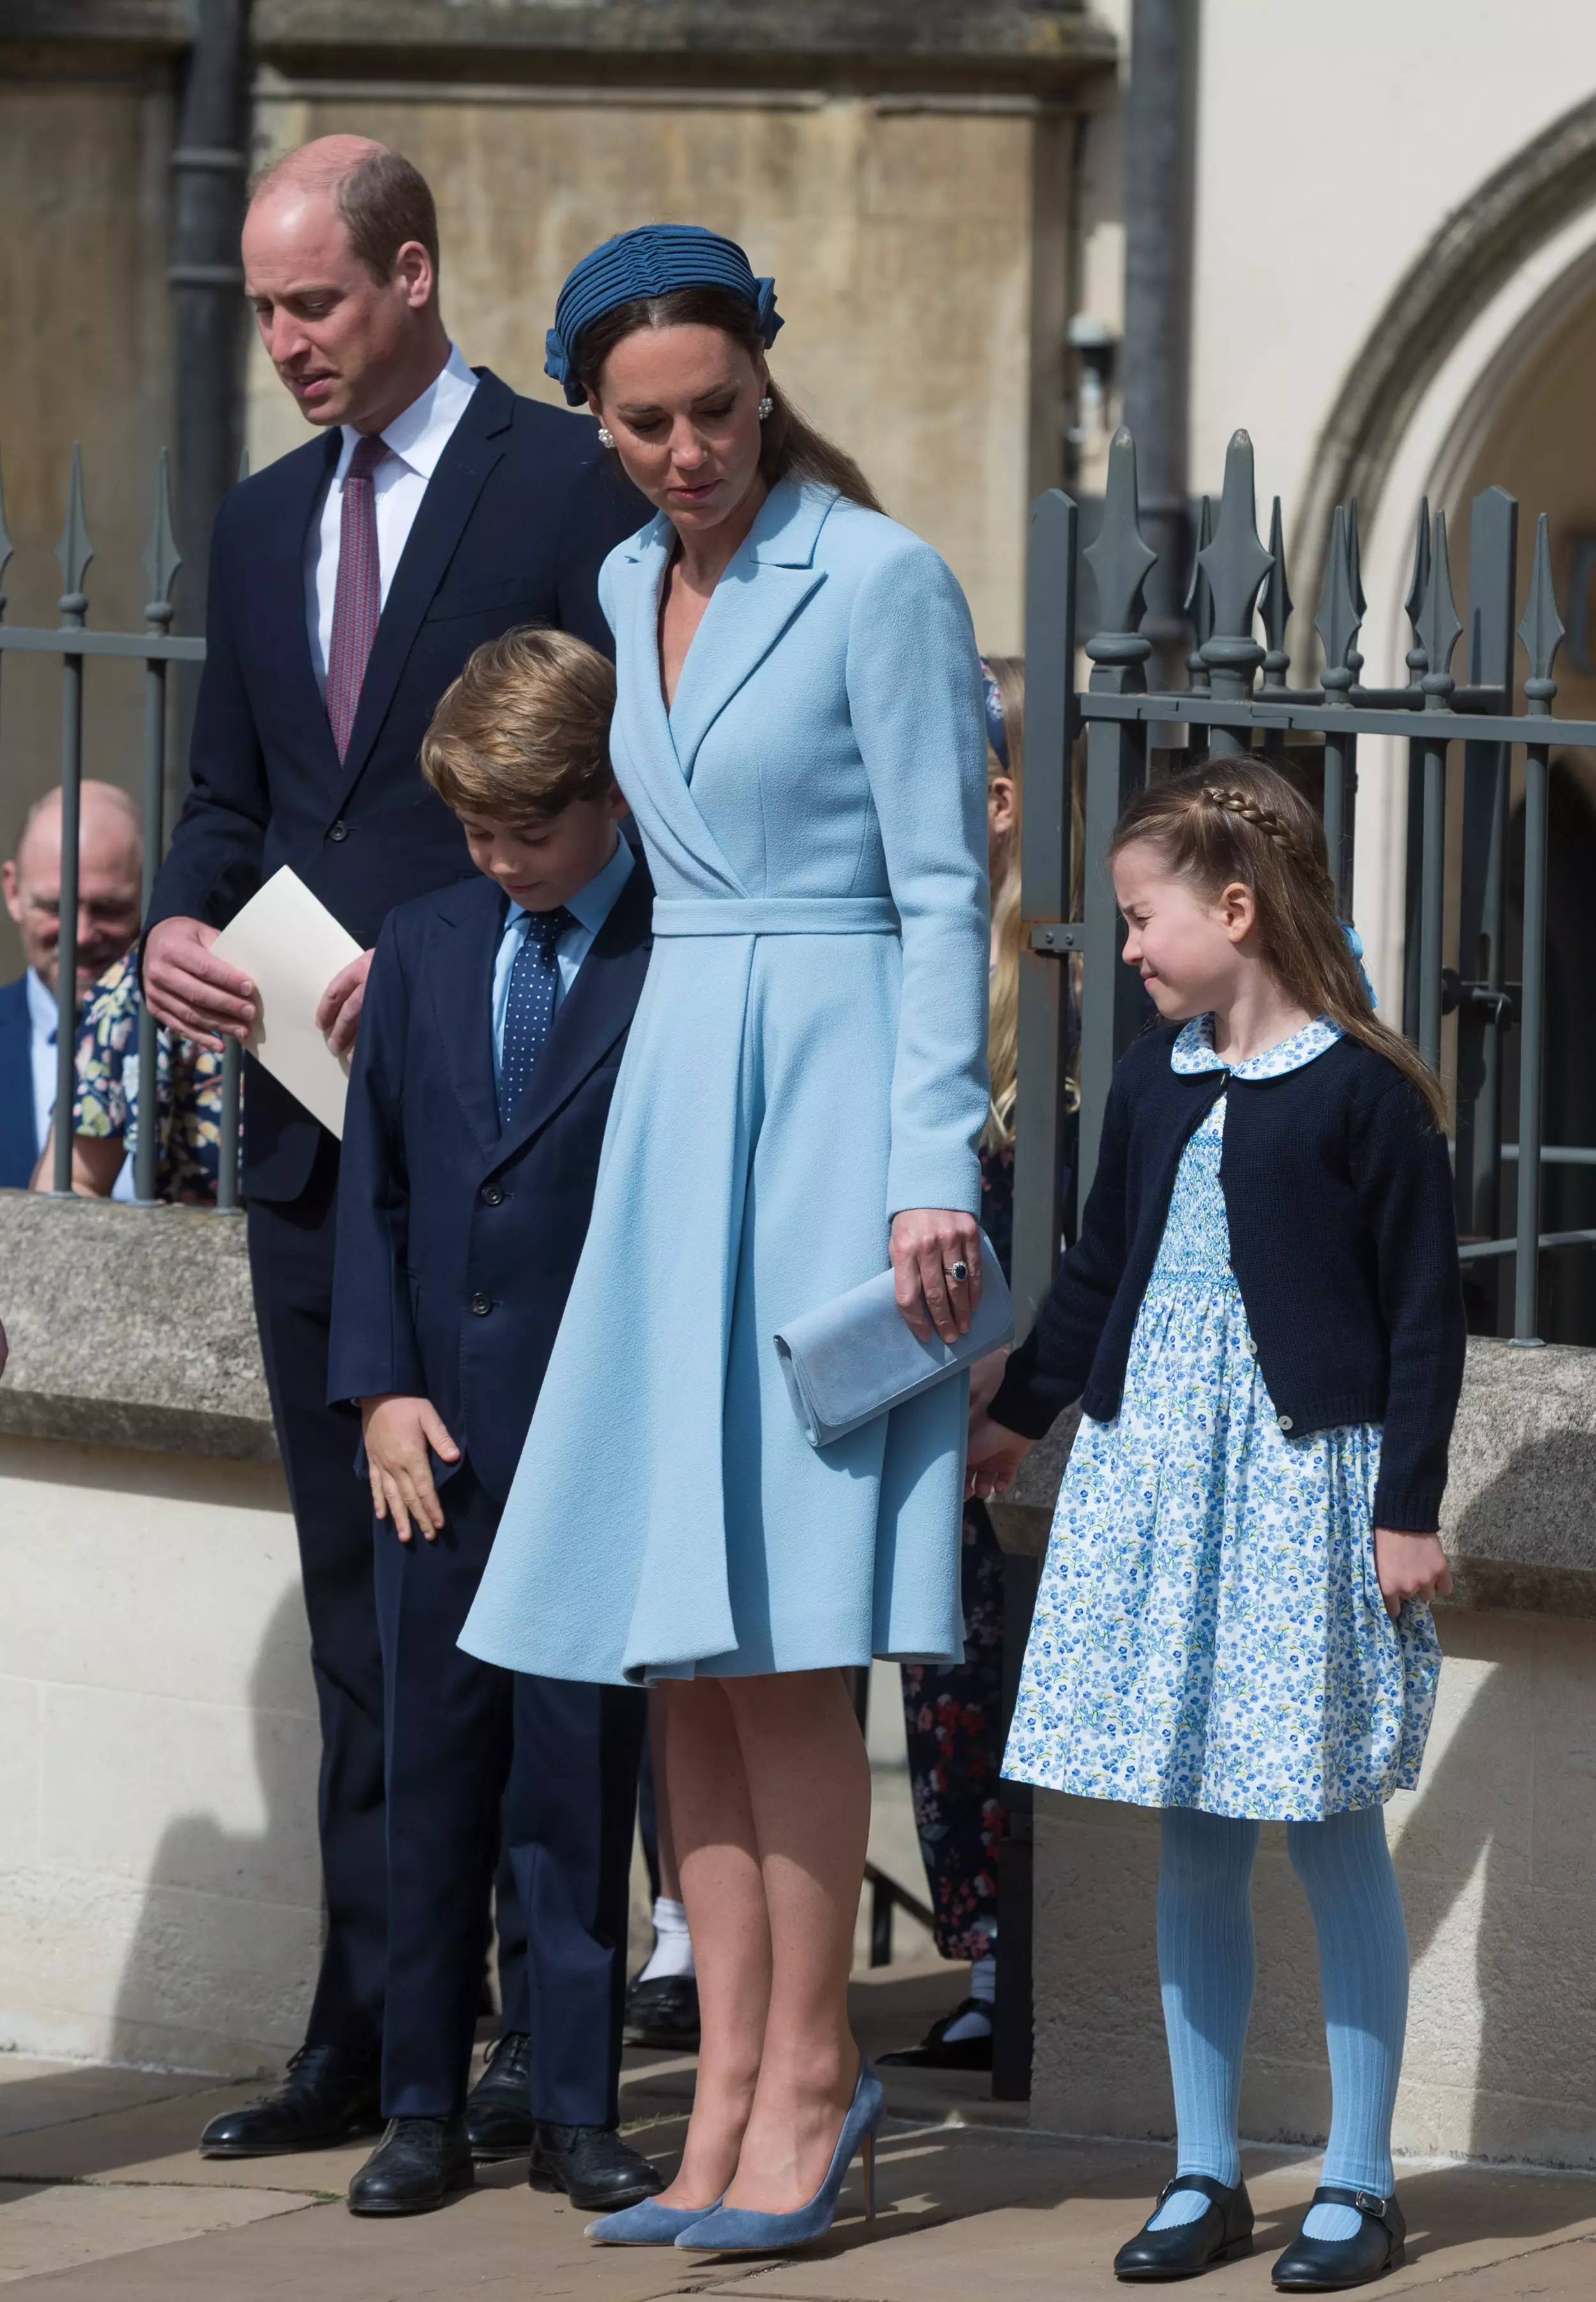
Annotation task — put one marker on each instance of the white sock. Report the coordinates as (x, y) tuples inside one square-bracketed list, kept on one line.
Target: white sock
[(673, 1945), (976, 2023)]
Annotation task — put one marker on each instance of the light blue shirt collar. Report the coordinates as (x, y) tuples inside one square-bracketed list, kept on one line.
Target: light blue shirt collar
[(589, 907), (1193, 1050)]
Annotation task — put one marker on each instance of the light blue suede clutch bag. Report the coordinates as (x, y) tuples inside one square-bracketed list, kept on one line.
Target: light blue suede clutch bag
[(855, 1358)]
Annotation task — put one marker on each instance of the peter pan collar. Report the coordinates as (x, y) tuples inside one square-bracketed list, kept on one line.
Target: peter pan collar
[(1193, 1050)]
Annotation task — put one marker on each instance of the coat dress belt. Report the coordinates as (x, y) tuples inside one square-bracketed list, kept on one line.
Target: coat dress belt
[(762, 915)]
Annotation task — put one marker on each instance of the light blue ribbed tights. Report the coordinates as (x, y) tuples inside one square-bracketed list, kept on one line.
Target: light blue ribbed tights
[(1206, 1965)]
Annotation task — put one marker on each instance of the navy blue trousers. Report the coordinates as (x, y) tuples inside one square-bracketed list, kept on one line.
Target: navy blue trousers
[(471, 1748)]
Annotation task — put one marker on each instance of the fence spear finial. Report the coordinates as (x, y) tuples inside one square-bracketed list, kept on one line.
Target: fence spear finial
[(1339, 615), (1199, 602), (1121, 561), (1417, 585), (74, 552), (1440, 626), (1542, 630), (1277, 604), (5, 546), (162, 559)]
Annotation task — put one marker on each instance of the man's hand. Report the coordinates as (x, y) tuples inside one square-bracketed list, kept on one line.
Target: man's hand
[(398, 1431), (929, 1245), (993, 1457), (190, 992), (1409, 1567), (339, 1013)]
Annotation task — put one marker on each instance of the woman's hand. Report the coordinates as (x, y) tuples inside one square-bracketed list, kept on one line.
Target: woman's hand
[(398, 1429), (929, 1245), (993, 1457), (1409, 1567)]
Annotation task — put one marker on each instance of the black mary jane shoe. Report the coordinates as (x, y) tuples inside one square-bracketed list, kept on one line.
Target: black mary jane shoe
[(329, 2095), (937, 2052), (414, 2168), (499, 2106), (592, 2165), (1325, 2265), (663, 2013), (1221, 2231)]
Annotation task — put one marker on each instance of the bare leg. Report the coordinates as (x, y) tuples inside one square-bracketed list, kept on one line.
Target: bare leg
[(809, 1785), (713, 1833)]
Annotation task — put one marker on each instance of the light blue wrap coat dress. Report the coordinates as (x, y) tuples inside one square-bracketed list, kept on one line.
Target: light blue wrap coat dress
[(808, 1057)]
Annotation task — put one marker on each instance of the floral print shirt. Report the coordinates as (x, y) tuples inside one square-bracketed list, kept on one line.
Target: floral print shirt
[(187, 1089)]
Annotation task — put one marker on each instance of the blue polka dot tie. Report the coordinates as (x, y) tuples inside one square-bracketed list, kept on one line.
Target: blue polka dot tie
[(529, 1011)]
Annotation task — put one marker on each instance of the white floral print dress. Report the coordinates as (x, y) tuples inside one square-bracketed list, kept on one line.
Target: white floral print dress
[(1209, 1631)]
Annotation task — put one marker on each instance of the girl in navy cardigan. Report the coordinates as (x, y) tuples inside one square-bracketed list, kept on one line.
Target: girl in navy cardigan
[(1263, 1323)]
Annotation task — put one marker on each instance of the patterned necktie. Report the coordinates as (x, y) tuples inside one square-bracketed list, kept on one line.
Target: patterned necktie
[(529, 1009), (358, 601)]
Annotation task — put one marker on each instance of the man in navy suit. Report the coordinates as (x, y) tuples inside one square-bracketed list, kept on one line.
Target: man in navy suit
[(110, 868), (349, 582), (495, 1016)]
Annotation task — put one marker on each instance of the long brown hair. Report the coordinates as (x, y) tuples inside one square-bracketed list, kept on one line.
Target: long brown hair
[(790, 447), (1002, 1030), (1238, 821)]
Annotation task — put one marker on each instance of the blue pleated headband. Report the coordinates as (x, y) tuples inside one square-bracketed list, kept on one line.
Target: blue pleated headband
[(650, 261)]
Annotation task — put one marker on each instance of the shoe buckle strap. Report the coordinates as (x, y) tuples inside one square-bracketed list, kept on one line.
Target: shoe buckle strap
[(1368, 2203)]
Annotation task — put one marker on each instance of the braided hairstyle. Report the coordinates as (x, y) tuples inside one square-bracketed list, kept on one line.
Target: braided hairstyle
[(1238, 821)]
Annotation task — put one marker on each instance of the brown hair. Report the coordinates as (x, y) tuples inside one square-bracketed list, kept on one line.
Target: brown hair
[(1236, 821), (790, 448), (1003, 1029), (525, 729)]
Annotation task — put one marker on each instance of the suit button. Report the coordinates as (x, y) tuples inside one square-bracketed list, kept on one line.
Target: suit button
[(1284, 1420), (482, 1305), (338, 830), (493, 1197)]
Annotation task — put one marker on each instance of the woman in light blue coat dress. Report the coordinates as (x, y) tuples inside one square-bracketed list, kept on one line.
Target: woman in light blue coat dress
[(799, 732)]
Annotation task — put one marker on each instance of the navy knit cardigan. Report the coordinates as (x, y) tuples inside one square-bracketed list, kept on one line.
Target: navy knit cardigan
[(1338, 1196)]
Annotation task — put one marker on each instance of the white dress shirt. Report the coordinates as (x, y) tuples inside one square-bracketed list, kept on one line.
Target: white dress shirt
[(43, 1018), (415, 441), (590, 908)]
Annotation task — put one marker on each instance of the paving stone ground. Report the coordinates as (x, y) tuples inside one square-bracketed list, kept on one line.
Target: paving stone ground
[(104, 2199)]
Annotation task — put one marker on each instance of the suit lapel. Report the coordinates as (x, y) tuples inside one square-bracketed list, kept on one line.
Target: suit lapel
[(767, 584), (476, 445), (588, 1023), (277, 604), (19, 1145), (462, 946)]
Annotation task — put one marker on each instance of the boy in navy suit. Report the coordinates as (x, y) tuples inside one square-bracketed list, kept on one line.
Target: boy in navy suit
[(495, 1016)]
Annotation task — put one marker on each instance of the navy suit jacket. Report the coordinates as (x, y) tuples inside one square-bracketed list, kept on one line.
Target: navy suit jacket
[(19, 1143), (516, 522), (456, 1244)]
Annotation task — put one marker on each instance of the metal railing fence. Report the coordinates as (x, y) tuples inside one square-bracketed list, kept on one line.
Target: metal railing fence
[(158, 648), (1238, 695)]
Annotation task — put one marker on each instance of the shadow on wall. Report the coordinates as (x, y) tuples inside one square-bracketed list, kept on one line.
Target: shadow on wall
[(220, 1970), (1499, 1852)]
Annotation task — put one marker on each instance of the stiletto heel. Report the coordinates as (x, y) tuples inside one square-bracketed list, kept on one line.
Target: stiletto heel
[(739, 2229)]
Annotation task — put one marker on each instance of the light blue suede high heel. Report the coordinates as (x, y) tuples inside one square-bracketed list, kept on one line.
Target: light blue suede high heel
[(647, 2223), (738, 2230)]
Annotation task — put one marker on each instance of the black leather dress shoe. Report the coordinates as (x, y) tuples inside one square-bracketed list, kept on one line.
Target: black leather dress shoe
[(663, 2012), (328, 2096), (592, 2165), (499, 2106), (418, 2162), (1324, 2266), (937, 2052), (1223, 2229)]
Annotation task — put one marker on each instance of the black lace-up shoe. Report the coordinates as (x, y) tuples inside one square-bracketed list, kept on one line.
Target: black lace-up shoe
[(1221, 2231), (663, 2012), (418, 2162), (329, 2095), (592, 2165), (1324, 2266), (499, 2106), (937, 2052)]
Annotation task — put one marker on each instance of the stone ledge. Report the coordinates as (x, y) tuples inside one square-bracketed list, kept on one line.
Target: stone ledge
[(131, 1327)]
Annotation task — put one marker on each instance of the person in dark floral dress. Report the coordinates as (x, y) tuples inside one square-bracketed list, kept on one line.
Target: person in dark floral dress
[(105, 1115), (953, 1714)]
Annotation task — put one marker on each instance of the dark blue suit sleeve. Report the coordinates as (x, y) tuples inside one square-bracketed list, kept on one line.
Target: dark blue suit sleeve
[(373, 1347), (602, 508)]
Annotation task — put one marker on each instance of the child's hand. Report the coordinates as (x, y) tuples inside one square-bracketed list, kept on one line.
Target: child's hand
[(398, 1431), (985, 1377), (1409, 1567), (994, 1456)]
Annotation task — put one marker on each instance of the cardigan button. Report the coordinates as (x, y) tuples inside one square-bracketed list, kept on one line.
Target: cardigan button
[(1284, 1421)]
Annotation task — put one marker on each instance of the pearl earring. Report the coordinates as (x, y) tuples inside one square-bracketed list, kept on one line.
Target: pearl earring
[(766, 405), (606, 437)]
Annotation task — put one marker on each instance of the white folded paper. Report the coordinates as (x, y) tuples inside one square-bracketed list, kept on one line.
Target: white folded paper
[(290, 946)]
